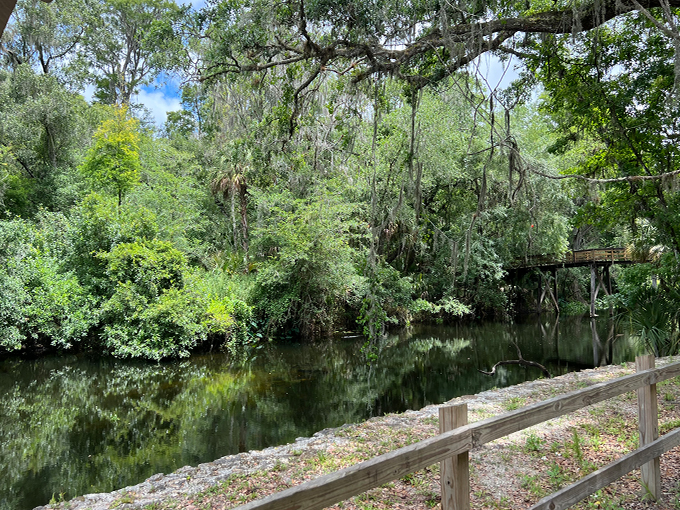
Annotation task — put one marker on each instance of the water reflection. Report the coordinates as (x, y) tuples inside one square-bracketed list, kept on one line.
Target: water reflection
[(74, 426)]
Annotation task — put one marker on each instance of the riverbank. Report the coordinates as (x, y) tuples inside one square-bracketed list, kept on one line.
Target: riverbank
[(512, 472)]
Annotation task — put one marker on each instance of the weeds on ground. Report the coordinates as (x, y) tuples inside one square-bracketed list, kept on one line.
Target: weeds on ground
[(557, 476), (533, 443), (602, 501), (514, 403), (676, 497), (124, 499), (54, 500), (532, 483)]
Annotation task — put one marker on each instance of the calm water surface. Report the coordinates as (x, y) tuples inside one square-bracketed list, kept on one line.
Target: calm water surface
[(74, 425)]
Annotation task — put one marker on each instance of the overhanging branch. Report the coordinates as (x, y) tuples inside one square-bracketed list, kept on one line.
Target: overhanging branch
[(393, 57)]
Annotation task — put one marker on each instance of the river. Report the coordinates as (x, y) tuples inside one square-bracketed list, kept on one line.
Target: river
[(77, 425)]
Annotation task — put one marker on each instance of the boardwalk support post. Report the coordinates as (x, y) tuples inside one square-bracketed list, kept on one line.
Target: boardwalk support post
[(648, 423), (554, 278), (593, 289), (539, 295), (454, 471)]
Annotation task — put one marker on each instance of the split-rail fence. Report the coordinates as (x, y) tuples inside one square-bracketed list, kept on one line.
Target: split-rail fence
[(451, 448)]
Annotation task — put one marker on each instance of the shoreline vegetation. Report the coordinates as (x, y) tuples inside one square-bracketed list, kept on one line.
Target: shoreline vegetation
[(510, 473), (123, 239)]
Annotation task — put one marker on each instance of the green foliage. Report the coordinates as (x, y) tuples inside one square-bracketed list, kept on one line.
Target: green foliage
[(534, 443), (387, 296), (654, 320), (97, 226), (651, 314), (593, 112), (320, 203), (151, 266), (135, 294), (42, 303), (138, 327), (173, 188), (40, 134), (113, 161), (158, 310), (308, 275)]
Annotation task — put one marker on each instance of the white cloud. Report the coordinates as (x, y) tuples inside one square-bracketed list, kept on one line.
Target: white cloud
[(158, 103)]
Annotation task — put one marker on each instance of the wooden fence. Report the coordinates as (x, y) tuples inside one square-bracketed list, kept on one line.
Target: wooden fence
[(451, 447)]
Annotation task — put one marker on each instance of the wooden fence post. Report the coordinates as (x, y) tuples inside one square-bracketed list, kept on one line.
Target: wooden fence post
[(648, 423), (455, 471)]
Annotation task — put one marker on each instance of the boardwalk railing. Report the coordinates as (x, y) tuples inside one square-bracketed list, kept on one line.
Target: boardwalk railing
[(581, 257), (451, 447)]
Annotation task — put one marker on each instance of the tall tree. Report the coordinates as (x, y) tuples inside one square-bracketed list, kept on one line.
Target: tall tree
[(41, 126), (129, 46)]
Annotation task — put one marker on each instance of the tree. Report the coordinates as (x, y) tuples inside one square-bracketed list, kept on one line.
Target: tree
[(130, 44), (418, 42), (610, 70), (41, 126), (113, 161), (308, 275), (629, 119), (46, 35)]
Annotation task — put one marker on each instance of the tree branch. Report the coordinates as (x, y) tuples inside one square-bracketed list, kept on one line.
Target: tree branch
[(521, 361), (464, 41), (630, 178)]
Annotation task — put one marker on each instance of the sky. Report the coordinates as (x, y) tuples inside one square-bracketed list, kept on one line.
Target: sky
[(498, 74)]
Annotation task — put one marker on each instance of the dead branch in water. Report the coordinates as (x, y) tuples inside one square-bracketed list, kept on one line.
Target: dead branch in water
[(521, 361)]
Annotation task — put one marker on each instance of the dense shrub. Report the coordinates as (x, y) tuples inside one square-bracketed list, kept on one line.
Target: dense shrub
[(41, 304), (157, 309), (309, 273), (97, 226), (137, 299)]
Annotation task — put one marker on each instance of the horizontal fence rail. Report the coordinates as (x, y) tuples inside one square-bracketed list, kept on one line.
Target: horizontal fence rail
[(596, 480), (354, 480)]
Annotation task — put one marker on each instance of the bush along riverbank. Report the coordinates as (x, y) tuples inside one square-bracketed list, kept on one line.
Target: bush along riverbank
[(129, 295), (512, 472)]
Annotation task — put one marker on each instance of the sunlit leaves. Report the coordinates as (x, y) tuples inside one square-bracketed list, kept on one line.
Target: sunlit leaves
[(113, 161)]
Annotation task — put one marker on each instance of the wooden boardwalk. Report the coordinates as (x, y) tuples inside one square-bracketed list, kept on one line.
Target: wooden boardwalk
[(599, 260), (596, 256)]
